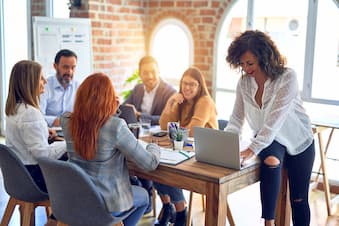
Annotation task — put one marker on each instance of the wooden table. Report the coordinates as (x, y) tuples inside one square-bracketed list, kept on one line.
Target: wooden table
[(213, 181)]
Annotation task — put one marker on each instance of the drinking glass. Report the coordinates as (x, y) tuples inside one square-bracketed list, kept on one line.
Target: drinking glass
[(135, 129), (145, 127)]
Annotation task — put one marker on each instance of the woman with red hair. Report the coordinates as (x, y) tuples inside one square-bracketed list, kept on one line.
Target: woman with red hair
[(99, 142)]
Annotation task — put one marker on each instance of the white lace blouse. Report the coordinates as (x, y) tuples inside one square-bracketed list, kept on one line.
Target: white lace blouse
[(281, 117)]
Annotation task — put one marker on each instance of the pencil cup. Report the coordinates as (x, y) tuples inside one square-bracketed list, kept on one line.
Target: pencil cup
[(172, 128)]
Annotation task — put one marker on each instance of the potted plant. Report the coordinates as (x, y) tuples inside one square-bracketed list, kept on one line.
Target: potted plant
[(178, 136), (130, 83)]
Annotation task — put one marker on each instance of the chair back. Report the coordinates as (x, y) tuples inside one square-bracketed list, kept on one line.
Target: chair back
[(17, 180), (73, 196), (222, 124)]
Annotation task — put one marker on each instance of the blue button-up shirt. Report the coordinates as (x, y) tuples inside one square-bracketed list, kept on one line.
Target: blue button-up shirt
[(57, 100)]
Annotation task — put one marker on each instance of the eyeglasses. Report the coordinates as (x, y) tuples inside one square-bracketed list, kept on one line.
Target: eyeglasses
[(190, 84)]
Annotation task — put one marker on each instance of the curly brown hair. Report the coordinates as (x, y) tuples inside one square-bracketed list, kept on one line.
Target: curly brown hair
[(262, 47)]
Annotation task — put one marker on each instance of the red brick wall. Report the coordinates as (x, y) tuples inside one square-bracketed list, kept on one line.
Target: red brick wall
[(38, 7), (118, 36), (121, 31)]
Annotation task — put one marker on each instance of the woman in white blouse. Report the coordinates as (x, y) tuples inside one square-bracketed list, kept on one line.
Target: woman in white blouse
[(267, 96), (27, 133)]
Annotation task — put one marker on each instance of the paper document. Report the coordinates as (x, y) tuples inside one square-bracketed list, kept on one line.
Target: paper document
[(170, 156)]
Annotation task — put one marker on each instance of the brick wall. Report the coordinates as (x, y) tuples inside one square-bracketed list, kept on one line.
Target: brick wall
[(38, 7), (121, 31)]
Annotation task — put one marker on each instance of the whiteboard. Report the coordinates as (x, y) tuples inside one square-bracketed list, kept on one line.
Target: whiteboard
[(53, 34)]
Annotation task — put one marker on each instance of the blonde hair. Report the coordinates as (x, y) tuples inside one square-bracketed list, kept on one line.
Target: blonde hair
[(23, 86)]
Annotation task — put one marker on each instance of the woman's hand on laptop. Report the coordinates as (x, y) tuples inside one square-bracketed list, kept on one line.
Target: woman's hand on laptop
[(246, 155)]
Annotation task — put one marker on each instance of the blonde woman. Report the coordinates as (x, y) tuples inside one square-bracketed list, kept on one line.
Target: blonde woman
[(27, 133)]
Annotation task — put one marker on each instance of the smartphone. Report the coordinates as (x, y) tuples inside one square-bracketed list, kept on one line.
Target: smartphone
[(160, 134)]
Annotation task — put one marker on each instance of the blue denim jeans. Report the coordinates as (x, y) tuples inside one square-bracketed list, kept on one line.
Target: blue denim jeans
[(176, 194), (140, 203), (299, 169)]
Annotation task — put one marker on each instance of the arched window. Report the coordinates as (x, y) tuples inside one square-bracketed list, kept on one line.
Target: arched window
[(226, 79), (172, 46)]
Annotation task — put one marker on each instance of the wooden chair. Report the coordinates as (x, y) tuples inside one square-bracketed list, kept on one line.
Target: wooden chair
[(21, 188)]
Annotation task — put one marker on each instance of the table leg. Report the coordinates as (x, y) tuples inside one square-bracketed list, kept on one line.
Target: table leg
[(322, 150), (283, 212), (216, 204), (323, 167)]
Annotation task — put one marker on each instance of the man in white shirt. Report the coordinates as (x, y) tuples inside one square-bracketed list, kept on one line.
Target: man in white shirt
[(149, 100), (60, 89), (150, 97)]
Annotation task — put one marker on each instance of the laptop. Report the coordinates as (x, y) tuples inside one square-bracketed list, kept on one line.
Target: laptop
[(127, 113), (219, 148)]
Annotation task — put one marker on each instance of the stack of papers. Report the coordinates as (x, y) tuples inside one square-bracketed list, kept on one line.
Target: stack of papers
[(170, 156)]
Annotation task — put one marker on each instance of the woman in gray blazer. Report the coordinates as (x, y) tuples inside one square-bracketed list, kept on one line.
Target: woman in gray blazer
[(101, 143)]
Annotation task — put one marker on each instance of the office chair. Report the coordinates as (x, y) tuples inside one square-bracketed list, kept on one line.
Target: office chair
[(74, 197), (21, 188)]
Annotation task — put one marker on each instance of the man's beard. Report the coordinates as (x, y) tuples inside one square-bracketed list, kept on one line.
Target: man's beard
[(64, 81)]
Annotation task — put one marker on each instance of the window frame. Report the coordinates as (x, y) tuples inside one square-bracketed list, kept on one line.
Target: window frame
[(306, 89), (309, 55), (4, 61)]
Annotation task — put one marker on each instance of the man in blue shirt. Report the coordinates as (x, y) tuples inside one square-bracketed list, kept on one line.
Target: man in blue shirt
[(60, 89)]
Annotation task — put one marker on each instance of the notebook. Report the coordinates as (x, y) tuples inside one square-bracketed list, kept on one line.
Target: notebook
[(171, 157), (219, 148), (127, 113)]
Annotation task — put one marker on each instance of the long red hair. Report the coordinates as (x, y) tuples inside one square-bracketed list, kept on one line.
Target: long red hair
[(95, 103)]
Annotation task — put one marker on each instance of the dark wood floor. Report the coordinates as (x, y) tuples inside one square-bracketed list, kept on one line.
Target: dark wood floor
[(245, 206)]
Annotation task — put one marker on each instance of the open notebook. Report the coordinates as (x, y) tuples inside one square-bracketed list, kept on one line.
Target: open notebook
[(170, 156)]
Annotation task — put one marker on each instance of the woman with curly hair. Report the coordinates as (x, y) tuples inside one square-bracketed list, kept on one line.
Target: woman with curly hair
[(267, 96)]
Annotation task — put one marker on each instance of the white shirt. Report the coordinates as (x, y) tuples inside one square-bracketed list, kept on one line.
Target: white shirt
[(147, 100), (27, 135), (281, 117), (56, 100)]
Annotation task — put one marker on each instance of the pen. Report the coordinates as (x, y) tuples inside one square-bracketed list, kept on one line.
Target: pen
[(184, 154)]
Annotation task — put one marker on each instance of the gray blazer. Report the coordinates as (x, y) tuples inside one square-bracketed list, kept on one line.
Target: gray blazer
[(108, 170), (164, 92)]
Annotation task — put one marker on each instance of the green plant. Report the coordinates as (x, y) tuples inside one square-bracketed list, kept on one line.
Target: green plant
[(179, 135), (130, 83)]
